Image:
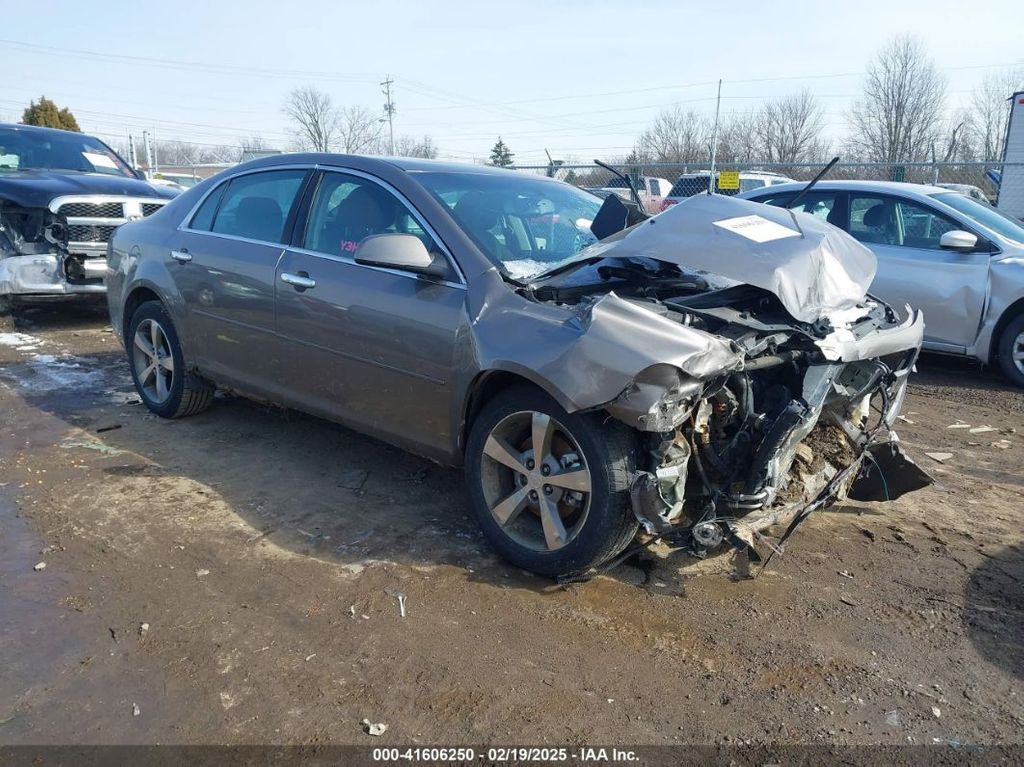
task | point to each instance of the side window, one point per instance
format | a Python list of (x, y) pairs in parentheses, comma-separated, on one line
[(256, 205), (819, 204), (203, 219), (347, 209), (889, 221), (921, 226), (873, 219)]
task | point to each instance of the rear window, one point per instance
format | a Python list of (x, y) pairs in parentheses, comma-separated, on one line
[(688, 186)]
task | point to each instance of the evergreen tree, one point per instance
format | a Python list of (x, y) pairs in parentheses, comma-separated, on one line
[(46, 114), (501, 155)]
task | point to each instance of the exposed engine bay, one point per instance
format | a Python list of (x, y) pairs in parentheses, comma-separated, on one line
[(800, 419)]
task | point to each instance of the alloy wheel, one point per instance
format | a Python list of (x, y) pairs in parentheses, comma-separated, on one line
[(1017, 352), (536, 483), (154, 363)]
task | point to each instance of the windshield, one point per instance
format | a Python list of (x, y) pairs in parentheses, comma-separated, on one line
[(984, 214), (46, 150), (524, 225)]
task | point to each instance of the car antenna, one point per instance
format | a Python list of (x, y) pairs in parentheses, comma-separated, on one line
[(624, 177), (803, 192)]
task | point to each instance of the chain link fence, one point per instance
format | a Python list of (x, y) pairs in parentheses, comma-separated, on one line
[(656, 181)]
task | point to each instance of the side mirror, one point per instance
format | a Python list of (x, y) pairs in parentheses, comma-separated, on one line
[(395, 250), (958, 240)]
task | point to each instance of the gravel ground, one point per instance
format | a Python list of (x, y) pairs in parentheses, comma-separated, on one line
[(232, 578)]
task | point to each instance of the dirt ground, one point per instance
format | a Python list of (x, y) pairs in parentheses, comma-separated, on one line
[(232, 578)]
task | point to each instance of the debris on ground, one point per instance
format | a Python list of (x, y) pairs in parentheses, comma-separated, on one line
[(939, 457), (375, 729), (135, 709), (847, 601), (892, 718), (201, 573), (936, 712), (401, 600), (98, 446), (845, 573), (40, 566), (981, 430), (959, 425), (143, 629), (1002, 444)]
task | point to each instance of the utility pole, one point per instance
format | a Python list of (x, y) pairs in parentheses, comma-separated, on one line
[(389, 111), (149, 153), (714, 141)]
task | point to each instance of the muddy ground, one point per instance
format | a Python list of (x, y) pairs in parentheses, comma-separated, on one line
[(230, 578)]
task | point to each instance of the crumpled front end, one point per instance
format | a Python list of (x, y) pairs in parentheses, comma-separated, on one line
[(798, 428), (60, 250), (34, 256)]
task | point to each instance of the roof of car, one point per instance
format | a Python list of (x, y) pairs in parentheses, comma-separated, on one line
[(411, 164), (35, 129), (901, 187)]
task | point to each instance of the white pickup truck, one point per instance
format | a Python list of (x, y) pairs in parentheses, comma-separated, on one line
[(652, 190)]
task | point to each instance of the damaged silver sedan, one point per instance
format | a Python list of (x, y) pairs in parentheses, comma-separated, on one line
[(696, 377)]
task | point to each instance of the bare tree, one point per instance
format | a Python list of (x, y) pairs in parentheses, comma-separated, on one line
[(789, 129), (315, 118), (990, 112), (359, 130), (676, 136), (409, 146), (900, 114), (737, 138)]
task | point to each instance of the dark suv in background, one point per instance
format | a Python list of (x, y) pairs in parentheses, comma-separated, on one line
[(62, 195)]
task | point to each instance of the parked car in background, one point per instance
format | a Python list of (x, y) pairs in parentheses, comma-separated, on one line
[(468, 314), (956, 258), (62, 194), (652, 190), (690, 184), (182, 180), (967, 189)]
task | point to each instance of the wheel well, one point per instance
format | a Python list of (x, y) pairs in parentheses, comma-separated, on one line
[(1013, 311), (134, 300), (486, 386)]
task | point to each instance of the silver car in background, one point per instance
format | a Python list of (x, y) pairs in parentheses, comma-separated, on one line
[(956, 258), (704, 374)]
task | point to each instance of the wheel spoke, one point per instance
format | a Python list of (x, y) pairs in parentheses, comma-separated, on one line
[(507, 510), (161, 385), (543, 429), (167, 363), (145, 374), (156, 337), (554, 531), (499, 450), (143, 343), (574, 479)]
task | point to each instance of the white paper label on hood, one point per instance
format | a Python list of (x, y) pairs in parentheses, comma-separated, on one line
[(99, 160), (756, 228)]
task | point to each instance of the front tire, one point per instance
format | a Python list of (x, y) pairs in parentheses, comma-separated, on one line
[(1011, 350), (158, 366), (550, 489)]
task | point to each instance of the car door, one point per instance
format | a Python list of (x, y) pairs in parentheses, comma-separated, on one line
[(913, 269), (369, 346), (224, 265)]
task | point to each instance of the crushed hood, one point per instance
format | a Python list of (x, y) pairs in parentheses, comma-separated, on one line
[(814, 268)]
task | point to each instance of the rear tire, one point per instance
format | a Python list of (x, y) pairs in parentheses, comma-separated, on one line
[(161, 376), (1011, 350), (566, 512)]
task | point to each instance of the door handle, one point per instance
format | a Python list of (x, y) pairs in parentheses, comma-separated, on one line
[(298, 281), (181, 256)]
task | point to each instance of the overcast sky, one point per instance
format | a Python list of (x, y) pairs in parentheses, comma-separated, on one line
[(579, 78)]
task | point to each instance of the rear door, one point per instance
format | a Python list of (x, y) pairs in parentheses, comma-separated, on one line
[(224, 265), (913, 269), (366, 345)]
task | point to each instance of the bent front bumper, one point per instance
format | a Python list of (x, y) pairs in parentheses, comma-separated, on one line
[(43, 275)]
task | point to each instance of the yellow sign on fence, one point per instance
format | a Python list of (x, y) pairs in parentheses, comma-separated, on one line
[(729, 179)]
